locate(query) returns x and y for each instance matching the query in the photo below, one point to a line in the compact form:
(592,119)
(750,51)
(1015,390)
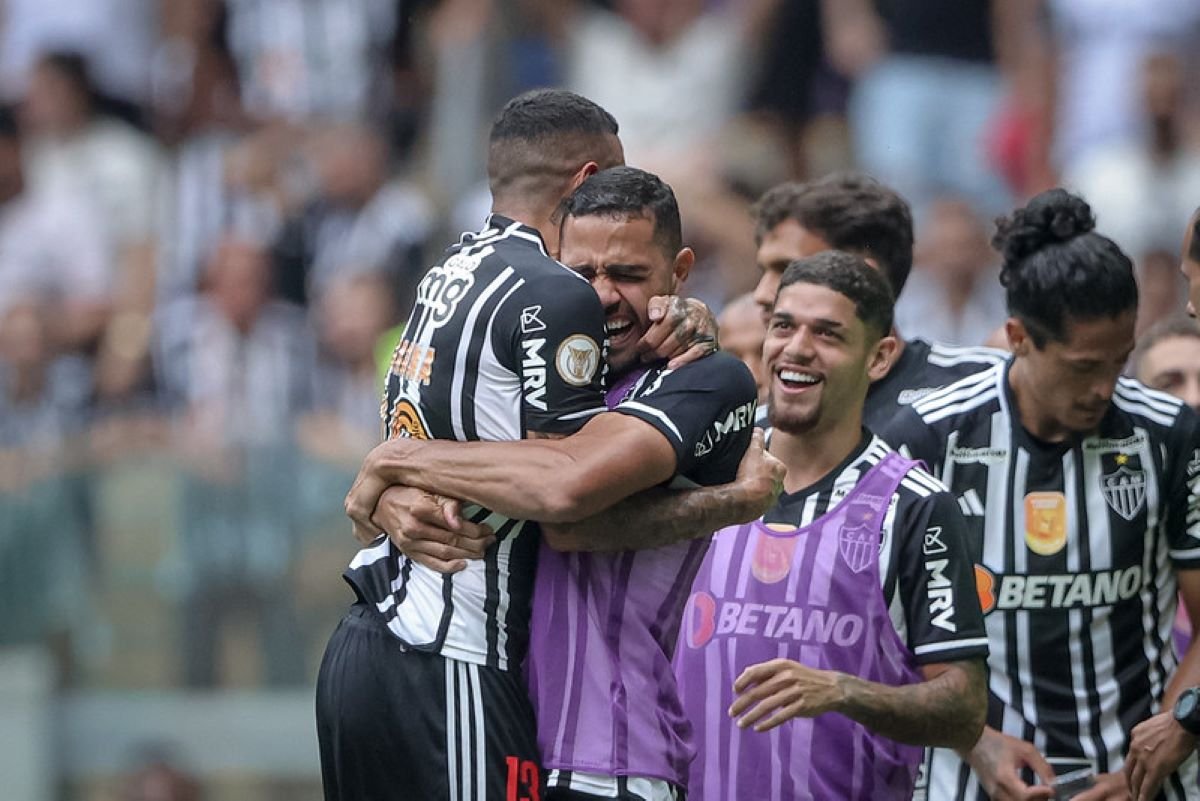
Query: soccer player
(420,691)
(1089,517)
(843,627)
(1168,358)
(857,214)
(604,625)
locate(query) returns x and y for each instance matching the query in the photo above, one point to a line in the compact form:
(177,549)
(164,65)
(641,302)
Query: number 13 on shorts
(523,775)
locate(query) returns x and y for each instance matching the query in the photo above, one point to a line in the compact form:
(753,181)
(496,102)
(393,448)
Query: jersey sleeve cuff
(951,650)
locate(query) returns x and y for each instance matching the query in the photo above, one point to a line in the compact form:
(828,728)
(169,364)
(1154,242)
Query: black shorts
(396,724)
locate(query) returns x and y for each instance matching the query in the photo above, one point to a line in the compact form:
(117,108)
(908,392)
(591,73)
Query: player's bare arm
(554,481)
(659,516)
(1158,745)
(427,528)
(947,709)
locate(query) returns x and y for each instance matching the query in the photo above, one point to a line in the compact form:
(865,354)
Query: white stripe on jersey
(936,647)
(951,356)
(497,394)
(1134,390)
(371,555)
(961,395)
(1098,560)
(457,402)
(641,407)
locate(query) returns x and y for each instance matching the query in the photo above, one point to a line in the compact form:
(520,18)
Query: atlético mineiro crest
(857,545)
(1124,490)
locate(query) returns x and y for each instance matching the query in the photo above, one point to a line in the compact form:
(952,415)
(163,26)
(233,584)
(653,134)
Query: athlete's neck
(811,455)
(534,216)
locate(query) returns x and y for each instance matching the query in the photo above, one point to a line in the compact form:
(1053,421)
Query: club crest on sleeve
(577,360)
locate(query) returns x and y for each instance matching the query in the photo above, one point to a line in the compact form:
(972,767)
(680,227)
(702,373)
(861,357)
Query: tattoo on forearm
(651,519)
(948,710)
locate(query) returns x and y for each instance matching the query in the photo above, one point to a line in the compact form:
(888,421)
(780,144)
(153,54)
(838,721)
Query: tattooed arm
(947,709)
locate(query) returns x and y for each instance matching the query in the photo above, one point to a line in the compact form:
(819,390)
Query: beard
(788,419)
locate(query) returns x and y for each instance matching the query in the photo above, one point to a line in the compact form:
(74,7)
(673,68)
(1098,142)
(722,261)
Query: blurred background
(213,215)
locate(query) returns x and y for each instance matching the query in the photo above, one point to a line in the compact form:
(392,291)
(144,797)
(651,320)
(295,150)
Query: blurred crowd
(213,215)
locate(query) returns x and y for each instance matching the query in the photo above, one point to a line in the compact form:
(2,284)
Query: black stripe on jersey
(1091,689)
(403,573)
(1011,645)
(491,604)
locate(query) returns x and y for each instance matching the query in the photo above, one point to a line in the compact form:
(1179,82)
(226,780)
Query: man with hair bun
(1086,485)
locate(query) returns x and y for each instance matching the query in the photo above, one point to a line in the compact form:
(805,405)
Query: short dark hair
(630,192)
(542,136)
(1169,328)
(1057,268)
(849,275)
(852,212)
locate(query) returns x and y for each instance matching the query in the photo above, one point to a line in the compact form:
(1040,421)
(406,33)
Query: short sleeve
(1183,497)
(912,436)
(705,409)
(936,582)
(557,326)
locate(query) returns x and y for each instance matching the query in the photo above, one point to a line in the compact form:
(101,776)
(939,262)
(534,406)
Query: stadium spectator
(952,296)
(74,149)
(238,365)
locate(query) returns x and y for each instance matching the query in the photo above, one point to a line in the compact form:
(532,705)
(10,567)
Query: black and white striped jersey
(922,368)
(503,341)
(1076,545)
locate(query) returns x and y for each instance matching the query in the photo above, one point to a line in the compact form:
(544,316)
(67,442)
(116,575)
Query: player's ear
(685,259)
(884,356)
(1018,337)
(589,169)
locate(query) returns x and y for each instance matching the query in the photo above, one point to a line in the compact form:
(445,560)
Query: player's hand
(368,486)
(1108,787)
(430,529)
(998,760)
(760,475)
(774,692)
(682,330)
(1158,746)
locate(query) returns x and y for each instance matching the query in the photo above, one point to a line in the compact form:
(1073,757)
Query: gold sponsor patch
(1046,522)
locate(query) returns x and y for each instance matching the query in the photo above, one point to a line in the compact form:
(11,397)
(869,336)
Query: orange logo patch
(772,558)
(406,422)
(985,588)
(1046,522)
